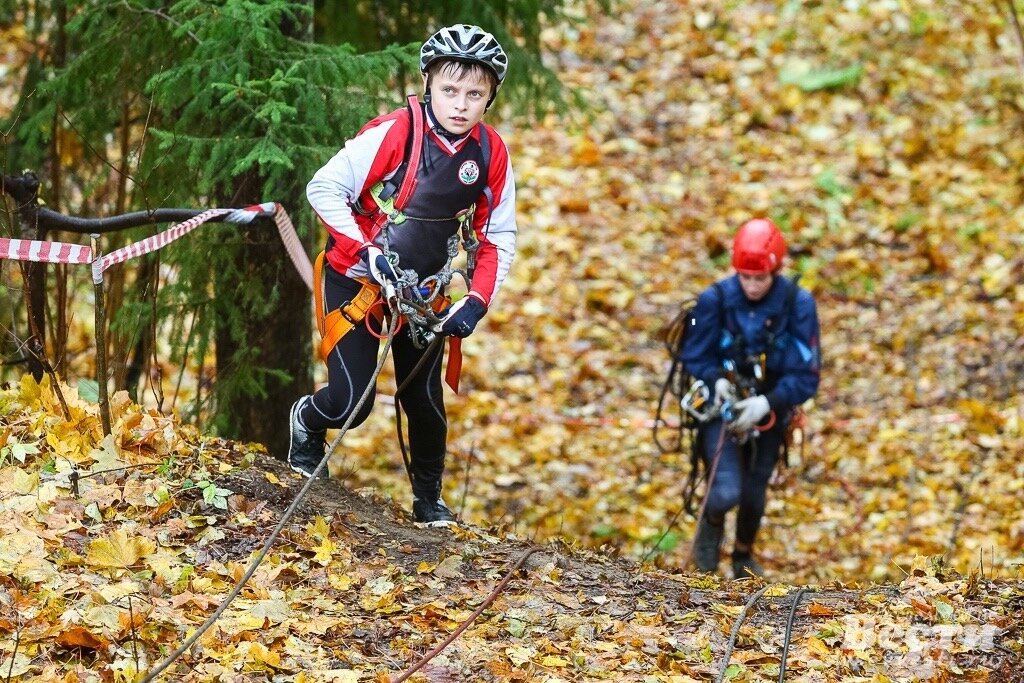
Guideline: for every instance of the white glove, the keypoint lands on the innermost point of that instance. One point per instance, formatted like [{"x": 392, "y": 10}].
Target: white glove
[
  {"x": 749, "y": 412},
  {"x": 724, "y": 391},
  {"x": 381, "y": 269}
]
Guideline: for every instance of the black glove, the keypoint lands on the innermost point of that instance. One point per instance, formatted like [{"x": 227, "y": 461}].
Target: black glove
[{"x": 460, "y": 319}]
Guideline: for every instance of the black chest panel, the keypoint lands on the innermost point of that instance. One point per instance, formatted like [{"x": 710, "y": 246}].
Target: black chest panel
[{"x": 445, "y": 185}]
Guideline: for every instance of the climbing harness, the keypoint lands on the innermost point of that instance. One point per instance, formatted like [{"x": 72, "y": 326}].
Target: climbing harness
[{"x": 339, "y": 322}]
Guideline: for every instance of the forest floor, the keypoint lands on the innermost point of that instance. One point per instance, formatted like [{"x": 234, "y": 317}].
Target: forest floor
[{"x": 118, "y": 548}]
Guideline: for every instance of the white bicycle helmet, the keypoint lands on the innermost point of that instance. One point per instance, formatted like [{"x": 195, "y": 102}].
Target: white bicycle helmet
[{"x": 467, "y": 43}]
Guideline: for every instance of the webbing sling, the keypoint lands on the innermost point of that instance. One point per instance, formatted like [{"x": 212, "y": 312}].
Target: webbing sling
[
  {"x": 339, "y": 322},
  {"x": 409, "y": 181},
  {"x": 392, "y": 195}
]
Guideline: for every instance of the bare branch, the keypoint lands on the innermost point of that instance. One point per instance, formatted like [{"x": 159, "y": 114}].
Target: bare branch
[
  {"x": 159, "y": 15},
  {"x": 1015, "y": 20}
]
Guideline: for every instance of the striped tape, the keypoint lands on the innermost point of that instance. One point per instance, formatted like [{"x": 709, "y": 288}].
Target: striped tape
[
  {"x": 44, "y": 252},
  {"x": 63, "y": 252}
]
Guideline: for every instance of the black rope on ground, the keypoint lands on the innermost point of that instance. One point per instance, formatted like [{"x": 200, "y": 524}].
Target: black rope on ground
[
  {"x": 736, "y": 631},
  {"x": 789, "y": 633},
  {"x": 254, "y": 565}
]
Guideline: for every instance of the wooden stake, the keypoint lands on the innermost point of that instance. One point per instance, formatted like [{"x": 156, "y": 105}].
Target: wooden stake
[{"x": 101, "y": 341}]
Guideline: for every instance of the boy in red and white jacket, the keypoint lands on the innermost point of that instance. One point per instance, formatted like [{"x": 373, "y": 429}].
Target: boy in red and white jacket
[{"x": 463, "y": 67}]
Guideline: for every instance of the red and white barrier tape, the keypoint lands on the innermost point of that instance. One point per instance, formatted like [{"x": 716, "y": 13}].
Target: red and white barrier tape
[
  {"x": 292, "y": 245},
  {"x": 153, "y": 243},
  {"x": 48, "y": 252},
  {"x": 64, "y": 252}
]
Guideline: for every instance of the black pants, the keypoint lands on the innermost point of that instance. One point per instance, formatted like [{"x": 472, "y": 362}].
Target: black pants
[
  {"x": 350, "y": 367},
  {"x": 741, "y": 477}
]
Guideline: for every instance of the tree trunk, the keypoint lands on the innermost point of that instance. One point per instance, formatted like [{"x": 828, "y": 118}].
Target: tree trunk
[{"x": 282, "y": 342}]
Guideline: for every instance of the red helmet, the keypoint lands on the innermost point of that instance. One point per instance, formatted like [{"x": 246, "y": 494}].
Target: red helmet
[{"x": 759, "y": 247}]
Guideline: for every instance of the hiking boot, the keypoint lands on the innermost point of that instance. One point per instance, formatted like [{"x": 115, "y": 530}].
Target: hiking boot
[
  {"x": 707, "y": 545},
  {"x": 432, "y": 513},
  {"x": 306, "y": 449},
  {"x": 744, "y": 566}
]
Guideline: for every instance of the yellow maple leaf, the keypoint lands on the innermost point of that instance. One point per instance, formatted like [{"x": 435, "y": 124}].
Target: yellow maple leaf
[
  {"x": 118, "y": 550},
  {"x": 68, "y": 443},
  {"x": 30, "y": 391},
  {"x": 554, "y": 660},
  {"x": 319, "y": 528},
  {"x": 24, "y": 482},
  {"x": 324, "y": 551},
  {"x": 818, "y": 647},
  {"x": 342, "y": 582},
  {"x": 260, "y": 654}
]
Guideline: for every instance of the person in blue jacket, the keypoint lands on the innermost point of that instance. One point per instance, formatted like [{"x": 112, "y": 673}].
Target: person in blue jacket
[{"x": 754, "y": 338}]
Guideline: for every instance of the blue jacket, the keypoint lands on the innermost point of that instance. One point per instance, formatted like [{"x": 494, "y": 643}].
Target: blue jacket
[{"x": 742, "y": 329}]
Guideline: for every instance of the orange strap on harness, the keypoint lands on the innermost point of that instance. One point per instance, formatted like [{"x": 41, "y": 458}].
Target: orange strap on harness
[{"x": 337, "y": 323}]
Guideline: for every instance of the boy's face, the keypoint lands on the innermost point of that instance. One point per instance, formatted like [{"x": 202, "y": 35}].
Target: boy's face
[
  {"x": 756, "y": 286},
  {"x": 458, "y": 98}
]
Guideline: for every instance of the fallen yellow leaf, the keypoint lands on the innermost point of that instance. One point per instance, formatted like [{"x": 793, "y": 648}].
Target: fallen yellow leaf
[{"x": 118, "y": 550}]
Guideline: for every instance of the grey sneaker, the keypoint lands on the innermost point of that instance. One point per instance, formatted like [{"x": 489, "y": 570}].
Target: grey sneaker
[
  {"x": 432, "y": 513},
  {"x": 306, "y": 449},
  {"x": 707, "y": 545},
  {"x": 744, "y": 566}
]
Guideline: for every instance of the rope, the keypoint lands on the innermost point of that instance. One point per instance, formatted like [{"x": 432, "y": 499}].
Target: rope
[
  {"x": 700, "y": 513},
  {"x": 789, "y": 633},
  {"x": 479, "y": 610},
  {"x": 254, "y": 565},
  {"x": 667, "y": 389},
  {"x": 736, "y": 631}
]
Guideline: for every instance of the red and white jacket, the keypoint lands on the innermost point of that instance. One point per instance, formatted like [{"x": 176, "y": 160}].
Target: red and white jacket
[{"x": 447, "y": 182}]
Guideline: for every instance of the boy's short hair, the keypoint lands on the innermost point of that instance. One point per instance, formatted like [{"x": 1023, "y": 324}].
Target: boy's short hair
[{"x": 459, "y": 68}]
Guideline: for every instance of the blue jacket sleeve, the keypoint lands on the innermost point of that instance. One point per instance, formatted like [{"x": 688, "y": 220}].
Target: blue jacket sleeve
[
  {"x": 801, "y": 359},
  {"x": 699, "y": 353}
]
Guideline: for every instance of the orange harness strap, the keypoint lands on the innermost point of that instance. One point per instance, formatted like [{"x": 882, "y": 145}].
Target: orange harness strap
[{"x": 339, "y": 322}]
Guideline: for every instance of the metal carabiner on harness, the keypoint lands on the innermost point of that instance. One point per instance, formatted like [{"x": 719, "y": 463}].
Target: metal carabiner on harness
[{"x": 696, "y": 402}]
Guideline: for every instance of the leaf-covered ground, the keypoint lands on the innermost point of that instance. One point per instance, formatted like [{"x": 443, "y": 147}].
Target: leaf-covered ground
[
  {"x": 115, "y": 549},
  {"x": 884, "y": 137}
]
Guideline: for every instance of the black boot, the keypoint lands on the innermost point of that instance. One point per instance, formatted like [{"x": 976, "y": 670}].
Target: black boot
[
  {"x": 307, "y": 448},
  {"x": 707, "y": 545},
  {"x": 432, "y": 512},
  {"x": 744, "y": 566}
]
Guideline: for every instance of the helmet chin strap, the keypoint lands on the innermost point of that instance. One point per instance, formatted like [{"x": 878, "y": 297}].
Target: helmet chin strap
[{"x": 437, "y": 127}]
